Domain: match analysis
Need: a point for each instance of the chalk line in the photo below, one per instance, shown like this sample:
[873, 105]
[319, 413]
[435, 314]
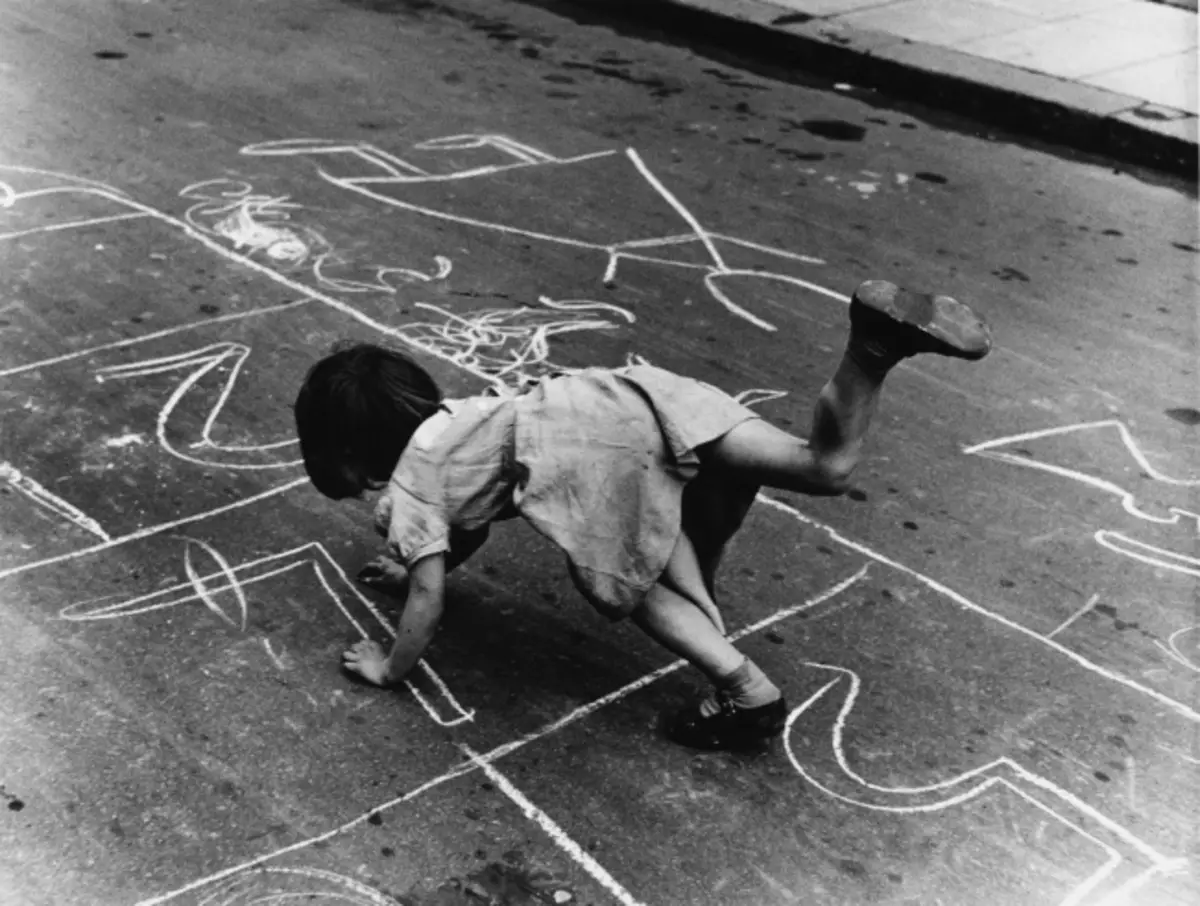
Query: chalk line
[50, 501]
[1091, 602]
[464, 768]
[152, 530]
[679, 207]
[55, 227]
[965, 787]
[499, 751]
[1176, 706]
[554, 831]
[153, 335]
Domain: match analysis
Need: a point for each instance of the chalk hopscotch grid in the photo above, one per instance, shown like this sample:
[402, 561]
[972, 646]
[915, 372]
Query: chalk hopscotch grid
[1163, 863]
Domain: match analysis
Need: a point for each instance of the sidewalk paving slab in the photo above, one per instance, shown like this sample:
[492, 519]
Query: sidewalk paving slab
[1114, 78]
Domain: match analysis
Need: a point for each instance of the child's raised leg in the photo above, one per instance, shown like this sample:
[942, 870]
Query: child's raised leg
[887, 324]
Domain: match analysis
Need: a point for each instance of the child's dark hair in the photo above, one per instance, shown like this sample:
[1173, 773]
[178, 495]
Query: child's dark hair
[356, 412]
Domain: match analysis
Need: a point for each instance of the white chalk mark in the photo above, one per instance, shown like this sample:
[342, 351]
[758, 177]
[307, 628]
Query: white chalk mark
[153, 530]
[72, 225]
[1171, 649]
[275, 658]
[50, 501]
[204, 593]
[675, 203]
[280, 884]
[554, 831]
[257, 864]
[1001, 772]
[477, 762]
[235, 579]
[1188, 758]
[643, 681]
[230, 357]
[156, 335]
[988, 450]
[1177, 706]
[398, 173]
[1091, 602]
[1150, 554]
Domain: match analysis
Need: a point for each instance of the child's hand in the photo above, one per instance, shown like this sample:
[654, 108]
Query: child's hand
[368, 660]
[384, 574]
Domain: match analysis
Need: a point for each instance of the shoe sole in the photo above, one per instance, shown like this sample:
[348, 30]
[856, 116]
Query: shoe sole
[945, 325]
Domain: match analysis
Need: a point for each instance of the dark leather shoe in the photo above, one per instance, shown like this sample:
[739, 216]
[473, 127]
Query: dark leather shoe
[731, 729]
[912, 323]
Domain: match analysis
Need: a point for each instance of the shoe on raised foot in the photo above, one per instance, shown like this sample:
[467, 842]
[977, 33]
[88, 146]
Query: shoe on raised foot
[912, 323]
[730, 729]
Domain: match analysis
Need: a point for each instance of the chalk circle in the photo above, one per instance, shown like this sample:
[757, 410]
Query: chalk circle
[724, 285]
[312, 886]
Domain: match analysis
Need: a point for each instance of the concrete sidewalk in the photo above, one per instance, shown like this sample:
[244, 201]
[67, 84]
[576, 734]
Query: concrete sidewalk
[1112, 77]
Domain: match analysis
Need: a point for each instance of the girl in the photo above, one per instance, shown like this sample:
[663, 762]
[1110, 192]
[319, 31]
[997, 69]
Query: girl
[640, 476]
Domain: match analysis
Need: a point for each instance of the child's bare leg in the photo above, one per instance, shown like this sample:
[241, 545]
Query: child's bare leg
[887, 324]
[746, 708]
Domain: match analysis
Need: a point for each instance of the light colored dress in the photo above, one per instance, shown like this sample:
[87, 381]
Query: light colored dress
[596, 460]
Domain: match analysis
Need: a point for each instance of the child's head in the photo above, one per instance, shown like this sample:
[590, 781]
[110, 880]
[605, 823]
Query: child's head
[355, 413]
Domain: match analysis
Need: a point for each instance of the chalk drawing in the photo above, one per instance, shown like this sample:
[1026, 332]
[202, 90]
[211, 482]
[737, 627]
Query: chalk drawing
[272, 884]
[382, 171]
[1117, 542]
[508, 347]
[813, 749]
[219, 581]
[991, 449]
[1189, 639]
[553, 830]
[260, 224]
[476, 762]
[217, 358]
[211, 590]
[1174, 705]
[16, 479]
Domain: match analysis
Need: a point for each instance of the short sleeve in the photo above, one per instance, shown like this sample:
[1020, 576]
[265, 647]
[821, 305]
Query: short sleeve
[415, 528]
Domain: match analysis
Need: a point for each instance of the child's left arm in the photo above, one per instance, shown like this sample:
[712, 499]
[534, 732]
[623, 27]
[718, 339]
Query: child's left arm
[422, 611]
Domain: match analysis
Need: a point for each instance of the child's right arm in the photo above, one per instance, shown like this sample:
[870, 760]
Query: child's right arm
[418, 622]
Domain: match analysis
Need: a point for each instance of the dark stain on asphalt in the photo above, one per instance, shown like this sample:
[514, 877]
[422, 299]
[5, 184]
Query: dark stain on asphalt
[530, 53]
[799, 155]
[659, 87]
[559, 78]
[856, 494]
[375, 818]
[911, 526]
[15, 805]
[792, 19]
[1100, 775]
[110, 55]
[1008, 274]
[1186, 246]
[852, 867]
[208, 308]
[495, 884]
[834, 130]
[1185, 415]
[1127, 260]
[1112, 232]
[143, 34]
[926, 176]
[734, 80]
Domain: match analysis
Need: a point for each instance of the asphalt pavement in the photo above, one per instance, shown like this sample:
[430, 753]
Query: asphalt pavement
[990, 647]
